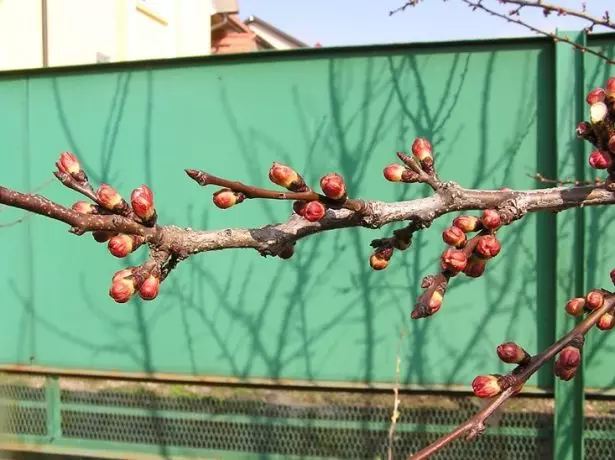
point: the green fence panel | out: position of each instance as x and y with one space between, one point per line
323 315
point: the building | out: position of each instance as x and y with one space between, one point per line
43 33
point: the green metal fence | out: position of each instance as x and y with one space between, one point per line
496 111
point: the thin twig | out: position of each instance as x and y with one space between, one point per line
576 182
396 400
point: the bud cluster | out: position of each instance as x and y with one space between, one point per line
600 129
567 363
593 300
421 159
124 284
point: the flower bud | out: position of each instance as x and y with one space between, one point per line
583 129
314 211
606 322
283 175
491 219
610 87
487 247
600 160
612 274
594 299
453 261
595 96
611 144
68 163
225 198
421 148
101 236
598 112
122 290
149 288
108 197
454 236
121 245
575 307
475 267
486 386
377 262
84 207
435 302
142 201
287 252
512 353
124 273
394 172
333 186
565 373
467 223
569 357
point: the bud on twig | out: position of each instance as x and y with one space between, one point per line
333 186
398 173
108 197
314 211
606 322
598 112
594 299
379 260
600 160
142 201
595 96
475 267
122 289
225 198
486 386
422 150
569 357
575 307
453 261
284 176
124 273
487 247
149 288
583 129
610 88
454 236
512 353
68 164
121 245
84 207
612 275
491 219
467 223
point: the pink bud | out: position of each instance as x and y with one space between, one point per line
575 307
594 299
124 273
84 207
454 236
453 260
121 245
421 148
569 357
435 302
333 186
491 219
487 246
142 201
610 87
583 129
612 274
600 160
378 263
595 96
606 322
512 353
225 198
467 223
108 197
149 288
283 175
565 373
68 163
486 386
122 290
395 173
475 267
314 211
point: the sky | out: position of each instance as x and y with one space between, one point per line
363 22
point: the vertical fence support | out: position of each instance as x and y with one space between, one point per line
52 398
569 103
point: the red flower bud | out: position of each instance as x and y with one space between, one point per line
600 160
610 87
121 245
486 386
491 219
102 236
487 246
476 267
377 262
595 96
569 357
333 186
84 207
606 322
283 175
225 198
122 290
68 163
583 129
396 173
594 300
512 353
108 197
142 201
612 274
598 112
454 236
421 148
314 211
575 307
467 223
565 373
435 302
149 288
124 273
611 144
453 260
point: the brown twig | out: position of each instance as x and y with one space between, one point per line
476 424
576 182
396 401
